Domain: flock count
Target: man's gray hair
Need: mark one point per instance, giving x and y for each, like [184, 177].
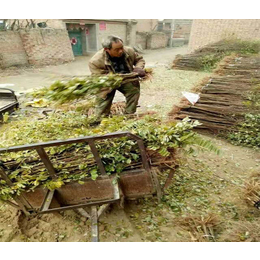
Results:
[107, 43]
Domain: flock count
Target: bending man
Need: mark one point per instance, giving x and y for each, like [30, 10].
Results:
[118, 59]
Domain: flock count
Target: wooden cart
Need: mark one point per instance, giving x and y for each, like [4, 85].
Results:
[96, 195]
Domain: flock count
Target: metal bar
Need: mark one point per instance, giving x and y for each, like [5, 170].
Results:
[94, 224]
[45, 159]
[84, 213]
[78, 206]
[97, 157]
[5, 177]
[68, 141]
[116, 190]
[133, 171]
[25, 202]
[47, 200]
[169, 178]
[1, 88]
[102, 209]
[9, 106]
[148, 169]
[157, 185]
[9, 182]
[12, 204]
[21, 205]
[143, 155]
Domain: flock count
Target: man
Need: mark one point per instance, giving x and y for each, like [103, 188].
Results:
[118, 59]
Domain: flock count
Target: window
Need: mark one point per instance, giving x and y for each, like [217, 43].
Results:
[160, 27]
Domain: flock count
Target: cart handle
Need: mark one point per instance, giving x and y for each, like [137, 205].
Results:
[12, 91]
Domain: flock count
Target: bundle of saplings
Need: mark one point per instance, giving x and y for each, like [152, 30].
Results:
[75, 162]
[207, 57]
[65, 91]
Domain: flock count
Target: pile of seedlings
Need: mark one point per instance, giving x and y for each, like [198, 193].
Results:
[75, 162]
[229, 102]
[207, 58]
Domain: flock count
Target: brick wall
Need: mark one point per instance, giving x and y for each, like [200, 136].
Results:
[51, 23]
[152, 40]
[157, 40]
[182, 29]
[35, 46]
[146, 25]
[118, 29]
[47, 46]
[12, 52]
[205, 31]
[141, 39]
[55, 23]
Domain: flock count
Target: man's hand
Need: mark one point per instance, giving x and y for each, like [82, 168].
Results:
[141, 72]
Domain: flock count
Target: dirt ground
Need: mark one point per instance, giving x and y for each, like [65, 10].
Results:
[205, 201]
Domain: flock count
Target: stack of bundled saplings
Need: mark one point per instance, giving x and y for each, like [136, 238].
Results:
[228, 96]
[206, 58]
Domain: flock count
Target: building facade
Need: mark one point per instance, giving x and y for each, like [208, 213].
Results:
[146, 25]
[45, 42]
[86, 35]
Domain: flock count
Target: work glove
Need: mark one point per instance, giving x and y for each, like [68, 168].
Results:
[141, 72]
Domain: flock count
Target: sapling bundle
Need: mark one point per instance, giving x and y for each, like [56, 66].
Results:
[229, 102]
[80, 88]
[75, 162]
[207, 57]
[65, 91]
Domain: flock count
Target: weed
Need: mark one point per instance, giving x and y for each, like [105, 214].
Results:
[247, 132]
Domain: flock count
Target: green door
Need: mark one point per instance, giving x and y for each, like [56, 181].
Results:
[75, 39]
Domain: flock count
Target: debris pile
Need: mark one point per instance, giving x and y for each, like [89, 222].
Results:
[252, 191]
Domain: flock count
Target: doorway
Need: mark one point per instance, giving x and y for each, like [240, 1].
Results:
[76, 42]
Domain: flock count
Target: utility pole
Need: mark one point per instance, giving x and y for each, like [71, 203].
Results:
[172, 31]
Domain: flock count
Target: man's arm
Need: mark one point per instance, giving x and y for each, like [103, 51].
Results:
[139, 61]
